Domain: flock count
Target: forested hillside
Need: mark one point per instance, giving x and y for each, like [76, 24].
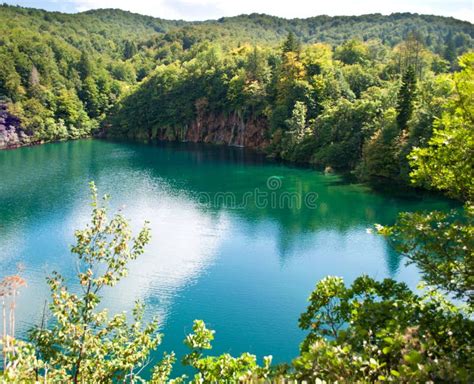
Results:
[388, 98]
[61, 73]
[391, 30]
[323, 90]
[358, 106]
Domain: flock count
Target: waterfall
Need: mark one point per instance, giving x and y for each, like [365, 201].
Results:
[237, 139]
[232, 135]
[242, 132]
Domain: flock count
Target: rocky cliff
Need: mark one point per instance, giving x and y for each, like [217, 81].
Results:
[11, 133]
[227, 129]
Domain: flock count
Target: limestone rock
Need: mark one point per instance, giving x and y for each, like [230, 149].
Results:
[12, 134]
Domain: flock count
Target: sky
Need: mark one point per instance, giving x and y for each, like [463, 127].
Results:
[213, 9]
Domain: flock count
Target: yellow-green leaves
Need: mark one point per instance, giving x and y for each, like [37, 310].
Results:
[447, 162]
[82, 344]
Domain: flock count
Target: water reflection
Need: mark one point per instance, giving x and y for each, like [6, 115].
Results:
[184, 243]
[230, 266]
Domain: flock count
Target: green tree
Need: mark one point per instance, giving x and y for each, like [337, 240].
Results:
[450, 50]
[10, 80]
[352, 52]
[85, 65]
[91, 97]
[411, 53]
[129, 50]
[124, 71]
[223, 368]
[297, 123]
[374, 332]
[68, 106]
[83, 344]
[446, 163]
[291, 44]
[406, 98]
[441, 243]
[380, 163]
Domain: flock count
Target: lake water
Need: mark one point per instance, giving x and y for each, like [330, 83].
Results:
[237, 240]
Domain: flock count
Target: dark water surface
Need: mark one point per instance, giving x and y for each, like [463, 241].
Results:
[238, 241]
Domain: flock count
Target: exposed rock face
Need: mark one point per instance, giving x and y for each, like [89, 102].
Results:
[218, 129]
[227, 129]
[11, 133]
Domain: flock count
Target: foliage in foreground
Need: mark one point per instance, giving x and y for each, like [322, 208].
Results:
[441, 244]
[369, 332]
[382, 331]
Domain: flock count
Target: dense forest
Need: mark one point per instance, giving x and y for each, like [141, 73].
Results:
[360, 108]
[343, 93]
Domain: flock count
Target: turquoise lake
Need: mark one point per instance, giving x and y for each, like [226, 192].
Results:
[237, 240]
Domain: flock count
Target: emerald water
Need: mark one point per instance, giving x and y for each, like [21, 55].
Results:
[238, 241]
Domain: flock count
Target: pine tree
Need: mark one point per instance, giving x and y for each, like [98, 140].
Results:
[130, 49]
[291, 44]
[406, 97]
[450, 50]
[85, 66]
